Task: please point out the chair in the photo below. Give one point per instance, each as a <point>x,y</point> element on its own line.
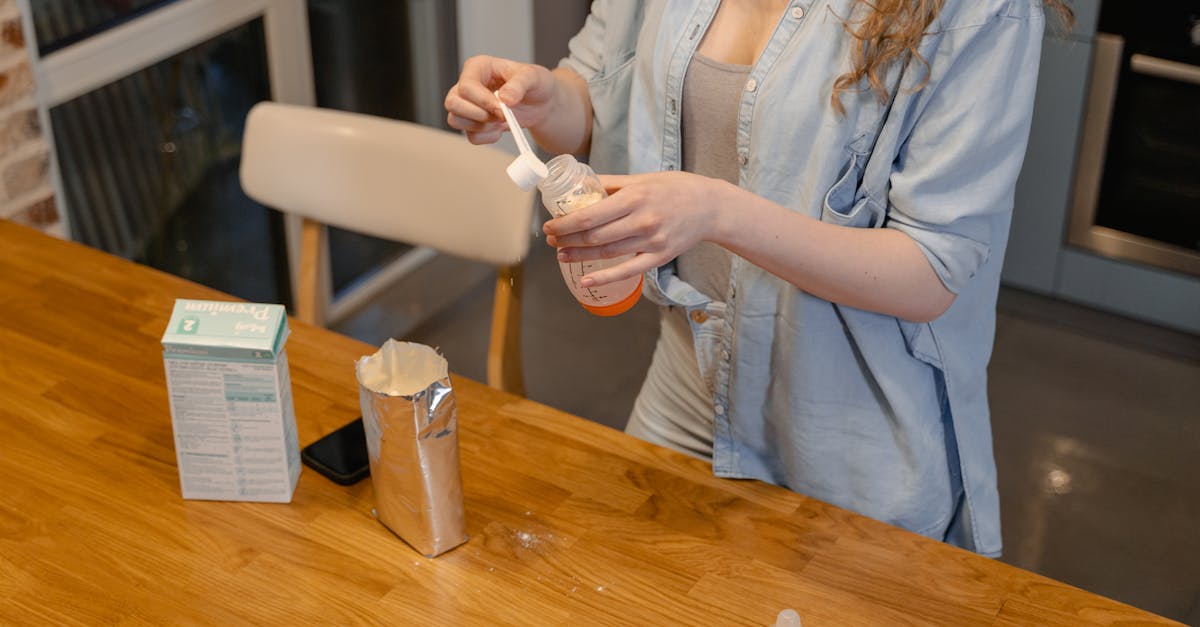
<point>398,181</point>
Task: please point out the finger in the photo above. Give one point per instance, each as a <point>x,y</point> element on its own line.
<point>485,137</point>
<point>481,76</point>
<point>519,80</point>
<point>471,126</point>
<point>639,264</point>
<point>481,96</point>
<point>614,182</point>
<point>465,109</point>
<point>486,72</point>
<point>607,233</point>
<point>590,217</point>
<point>611,250</point>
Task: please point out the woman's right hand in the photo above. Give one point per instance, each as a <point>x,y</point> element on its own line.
<point>528,90</point>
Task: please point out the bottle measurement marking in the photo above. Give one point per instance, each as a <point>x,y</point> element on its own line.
<point>569,187</point>
<point>583,267</point>
<point>579,268</point>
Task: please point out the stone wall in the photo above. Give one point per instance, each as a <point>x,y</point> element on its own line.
<point>26,195</point>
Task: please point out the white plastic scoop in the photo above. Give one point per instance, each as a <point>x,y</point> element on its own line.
<point>526,170</point>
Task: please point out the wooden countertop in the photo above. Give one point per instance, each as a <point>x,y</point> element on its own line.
<point>570,522</point>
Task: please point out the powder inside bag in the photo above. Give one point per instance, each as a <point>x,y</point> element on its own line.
<point>402,368</point>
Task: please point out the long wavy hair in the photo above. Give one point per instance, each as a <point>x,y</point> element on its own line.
<point>890,32</point>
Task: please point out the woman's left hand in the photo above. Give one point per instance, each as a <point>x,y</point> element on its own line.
<point>657,216</point>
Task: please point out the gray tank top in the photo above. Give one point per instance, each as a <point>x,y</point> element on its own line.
<point>675,406</point>
<point>711,93</point>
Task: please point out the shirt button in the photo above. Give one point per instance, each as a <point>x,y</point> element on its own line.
<point>672,105</point>
<point>720,409</point>
<point>751,85</point>
<point>743,158</point>
<point>670,167</point>
<point>725,355</point>
<point>797,13</point>
<point>698,316</point>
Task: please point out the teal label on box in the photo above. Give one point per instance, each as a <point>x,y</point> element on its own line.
<point>225,330</point>
<point>189,325</point>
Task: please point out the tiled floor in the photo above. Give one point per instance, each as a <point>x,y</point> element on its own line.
<point>1096,418</point>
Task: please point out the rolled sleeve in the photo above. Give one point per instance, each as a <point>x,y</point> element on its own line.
<point>586,48</point>
<point>955,174</point>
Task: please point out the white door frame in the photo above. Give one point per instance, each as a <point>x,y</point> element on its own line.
<point>134,45</point>
<point>503,29</point>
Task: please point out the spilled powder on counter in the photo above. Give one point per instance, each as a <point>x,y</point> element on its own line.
<point>528,540</point>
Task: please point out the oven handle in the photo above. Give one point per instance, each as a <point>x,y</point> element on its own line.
<point>1093,139</point>
<point>1163,68</point>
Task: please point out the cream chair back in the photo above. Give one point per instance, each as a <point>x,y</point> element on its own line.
<point>398,181</point>
<point>387,178</point>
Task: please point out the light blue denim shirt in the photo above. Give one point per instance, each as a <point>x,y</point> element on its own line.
<point>879,415</point>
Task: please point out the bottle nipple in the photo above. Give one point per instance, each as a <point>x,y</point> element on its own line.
<point>526,170</point>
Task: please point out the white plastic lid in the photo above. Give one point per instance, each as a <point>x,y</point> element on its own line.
<point>526,170</point>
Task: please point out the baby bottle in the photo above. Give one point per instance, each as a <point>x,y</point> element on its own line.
<point>569,186</point>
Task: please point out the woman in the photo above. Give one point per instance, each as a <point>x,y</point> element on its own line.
<point>819,193</point>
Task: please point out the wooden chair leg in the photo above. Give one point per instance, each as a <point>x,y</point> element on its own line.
<point>310,306</point>
<point>504,350</point>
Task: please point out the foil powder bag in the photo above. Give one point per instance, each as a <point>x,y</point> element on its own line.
<point>410,419</point>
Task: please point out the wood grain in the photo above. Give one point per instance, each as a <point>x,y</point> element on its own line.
<point>570,522</point>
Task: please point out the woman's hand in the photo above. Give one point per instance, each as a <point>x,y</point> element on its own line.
<point>471,104</point>
<point>657,216</point>
<point>554,106</point>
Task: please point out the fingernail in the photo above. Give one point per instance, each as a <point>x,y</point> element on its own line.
<point>562,256</point>
<point>587,281</point>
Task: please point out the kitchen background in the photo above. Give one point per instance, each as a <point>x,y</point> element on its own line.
<point>130,143</point>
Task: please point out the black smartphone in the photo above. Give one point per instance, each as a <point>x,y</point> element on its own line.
<point>340,455</point>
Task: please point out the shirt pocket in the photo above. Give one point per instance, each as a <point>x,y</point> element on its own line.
<point>847,203</point>
<point>918,338</point>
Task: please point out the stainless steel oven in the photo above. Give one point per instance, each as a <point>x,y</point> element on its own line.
<point>1136,194</point>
